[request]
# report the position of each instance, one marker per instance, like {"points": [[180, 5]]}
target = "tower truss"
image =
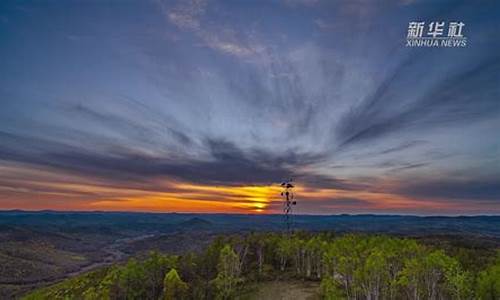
{"points": [[288, 203]]}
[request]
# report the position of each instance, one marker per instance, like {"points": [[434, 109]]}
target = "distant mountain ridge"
{"points": [[196, 223], [132, 223]]}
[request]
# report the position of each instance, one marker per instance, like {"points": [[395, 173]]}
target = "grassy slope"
{"points": [[69, 286]]}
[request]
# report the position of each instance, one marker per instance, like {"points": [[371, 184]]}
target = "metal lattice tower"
{"points": [[288, 203]]}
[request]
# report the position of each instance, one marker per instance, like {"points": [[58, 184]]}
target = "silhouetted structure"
{"points": [[288, 203]]}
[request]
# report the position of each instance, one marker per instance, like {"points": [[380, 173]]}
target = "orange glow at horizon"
{"points": [[188, 197], [33, 189], [199, 198]]}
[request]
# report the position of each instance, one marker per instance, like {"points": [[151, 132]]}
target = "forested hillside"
{"points": [[41, 248], [347, 267]]}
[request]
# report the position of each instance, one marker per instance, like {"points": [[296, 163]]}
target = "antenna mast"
{"points": [[288, 203]]}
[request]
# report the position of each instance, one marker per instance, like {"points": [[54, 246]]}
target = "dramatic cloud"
{"points": [[207, 105], [457, 98]]}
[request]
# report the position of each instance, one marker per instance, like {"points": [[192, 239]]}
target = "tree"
{"points": [[350, 267], [228, 276], [373, 274], [429, 274], [285, 251], [345, 253], [207, 267], [434, 267], [156, 266], [126, 282], [458, 281], [258, 243], [330, 289], [315, 249], [173, 286], [488, 283], [397, 251]]}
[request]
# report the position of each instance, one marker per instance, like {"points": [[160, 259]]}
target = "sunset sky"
{"points": [[206, 106]]}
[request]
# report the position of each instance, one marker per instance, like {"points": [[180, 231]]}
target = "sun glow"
{"points": [[70, 192], [196, 198]]}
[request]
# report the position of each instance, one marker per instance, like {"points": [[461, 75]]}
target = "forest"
{"points": [[348, 266]]}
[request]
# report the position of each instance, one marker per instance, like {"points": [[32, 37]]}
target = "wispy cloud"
{"points": [[241, 95], [190, 15], [455, 99]]}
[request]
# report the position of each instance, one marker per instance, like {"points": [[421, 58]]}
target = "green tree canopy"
{"points": [[173, 286]]}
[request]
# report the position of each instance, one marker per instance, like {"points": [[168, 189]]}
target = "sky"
{"points": [[206, 106]]}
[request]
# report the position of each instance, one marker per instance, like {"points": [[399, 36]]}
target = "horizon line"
{"points": [[243, 214]]}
